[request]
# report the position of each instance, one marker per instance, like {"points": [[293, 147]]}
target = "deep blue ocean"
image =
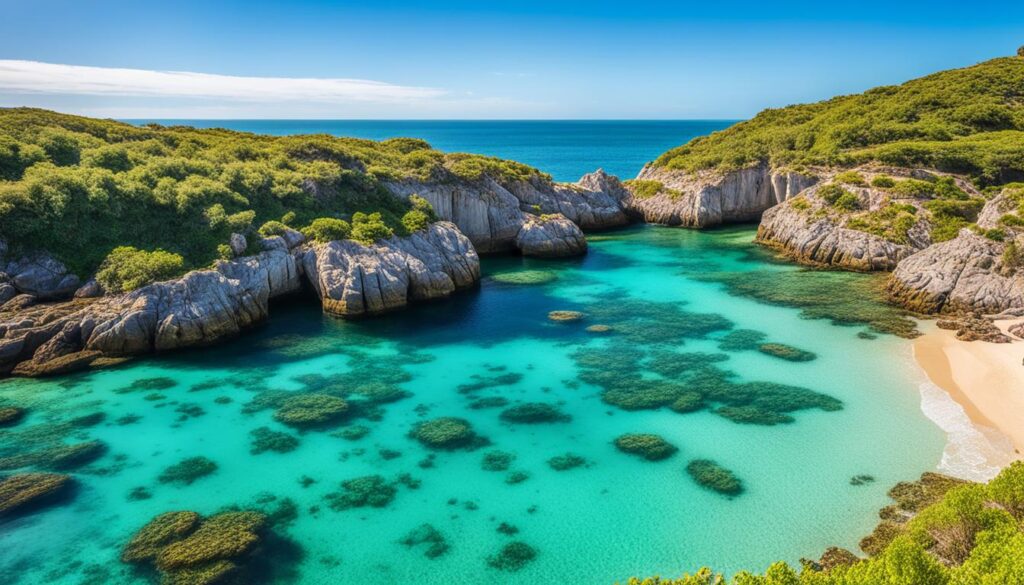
{"points": [[567, 149]]}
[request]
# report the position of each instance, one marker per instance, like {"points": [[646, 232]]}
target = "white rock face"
{"points": [[710, 198], [551, 237], [238, 244], [352, 279], [492, 214], [963, 274]]}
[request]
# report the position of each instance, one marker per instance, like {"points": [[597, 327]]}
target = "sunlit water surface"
{"points": [[617, 516]]}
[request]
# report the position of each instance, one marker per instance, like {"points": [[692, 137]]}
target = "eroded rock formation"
{"points": [[492, 213], [352, 279], [710, 198], [550, 237]]}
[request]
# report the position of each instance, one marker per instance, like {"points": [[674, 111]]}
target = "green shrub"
{"points": [[892, 221], [963, 121], [847, 202], [415, 220], [644, 189], [883, 182], [948, 217], [77, 187], [1013, 256], [913, 188], [127, 268], [995, 234], [851, 178], [327, 229], [368, 228], [272, 228], [800, 203], [1012, 220]]}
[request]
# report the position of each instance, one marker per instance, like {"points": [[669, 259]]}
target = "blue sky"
{"points": [[530, 59]]}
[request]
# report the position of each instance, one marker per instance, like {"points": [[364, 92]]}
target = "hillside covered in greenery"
{"points": [[972, 534], [968, 121], [82, 189]]}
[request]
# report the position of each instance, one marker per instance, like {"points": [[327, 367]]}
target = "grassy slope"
{"points": [[79, 187], [968, 121]]}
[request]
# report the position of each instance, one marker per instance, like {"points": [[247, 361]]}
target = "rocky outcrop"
{"points": [[710, 198], [492, 213], [352, 279], [811, 234], [551, 237], [964, 274], [198, 308], [41, 276]]}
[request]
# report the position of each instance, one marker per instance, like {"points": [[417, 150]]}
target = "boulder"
{"points": [[89, 290], [42, 276], [352, 279], [238, 244], [7, 292], [961, 275], [551, 237]]}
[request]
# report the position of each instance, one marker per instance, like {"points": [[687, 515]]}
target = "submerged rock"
{"points": [[565, 316], [714, 477], [21, 492], [185, 548], [11, 415], [447, 433], [352, 279], [512, 557], [649, 446]]}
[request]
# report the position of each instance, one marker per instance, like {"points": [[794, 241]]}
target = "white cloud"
{"points": [[34, 77]]}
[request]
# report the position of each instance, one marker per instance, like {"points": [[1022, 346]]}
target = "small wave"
{"points": [[972, 452]]}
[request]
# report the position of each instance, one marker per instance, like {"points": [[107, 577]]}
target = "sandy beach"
{"points": [[985, 379]]}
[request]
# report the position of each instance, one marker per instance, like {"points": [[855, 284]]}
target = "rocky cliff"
{"points": [[352, 279], [968, 273], [709, 198], [204, 306], [491, 213], [869, 229]]}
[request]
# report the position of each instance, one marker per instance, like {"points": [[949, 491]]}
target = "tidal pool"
{"points": [[489, 423]]}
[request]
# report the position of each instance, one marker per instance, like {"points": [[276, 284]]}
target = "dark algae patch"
{"points": [[188, 471], [533, 413], [430, 539], [497, 461], [512, 557], [566, 462], [360, 492], [786, 352], [648, 446], [266, 439], [447, 433], [713, 476]]}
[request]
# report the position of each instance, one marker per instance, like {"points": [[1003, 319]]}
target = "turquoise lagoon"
{"points": [[617, 516]]}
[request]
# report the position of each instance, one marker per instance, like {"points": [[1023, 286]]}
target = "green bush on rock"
{"points": [[127, 268], [327, 229]]}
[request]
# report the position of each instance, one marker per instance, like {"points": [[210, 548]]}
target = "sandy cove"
{"points": [[985, 379]]}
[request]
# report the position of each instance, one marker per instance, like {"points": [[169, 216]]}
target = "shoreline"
{"points": [[975, 393]]}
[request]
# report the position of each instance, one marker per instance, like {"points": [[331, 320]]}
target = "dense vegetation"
{"points": [[973, 535], [968, 121], [79, 188]]}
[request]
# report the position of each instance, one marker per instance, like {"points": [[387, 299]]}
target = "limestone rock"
{"points": [[551, 237], [238, 244], [42, 276], [492, 213], [352, 279], [822, 241], [961, 275], [7, 292], [198, 308], [709, 198], [89, 290]]}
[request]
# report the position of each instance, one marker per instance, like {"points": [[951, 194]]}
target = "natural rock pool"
{"points": [[493, 424]]}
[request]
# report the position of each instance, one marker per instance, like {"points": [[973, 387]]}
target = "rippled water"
{"points": [[853, 410]]}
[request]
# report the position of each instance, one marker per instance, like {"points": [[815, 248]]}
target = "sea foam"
{"points": [[972, 451]]}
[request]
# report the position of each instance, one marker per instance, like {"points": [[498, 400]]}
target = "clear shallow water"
{"points": [[617, 517], [567, 149]]}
